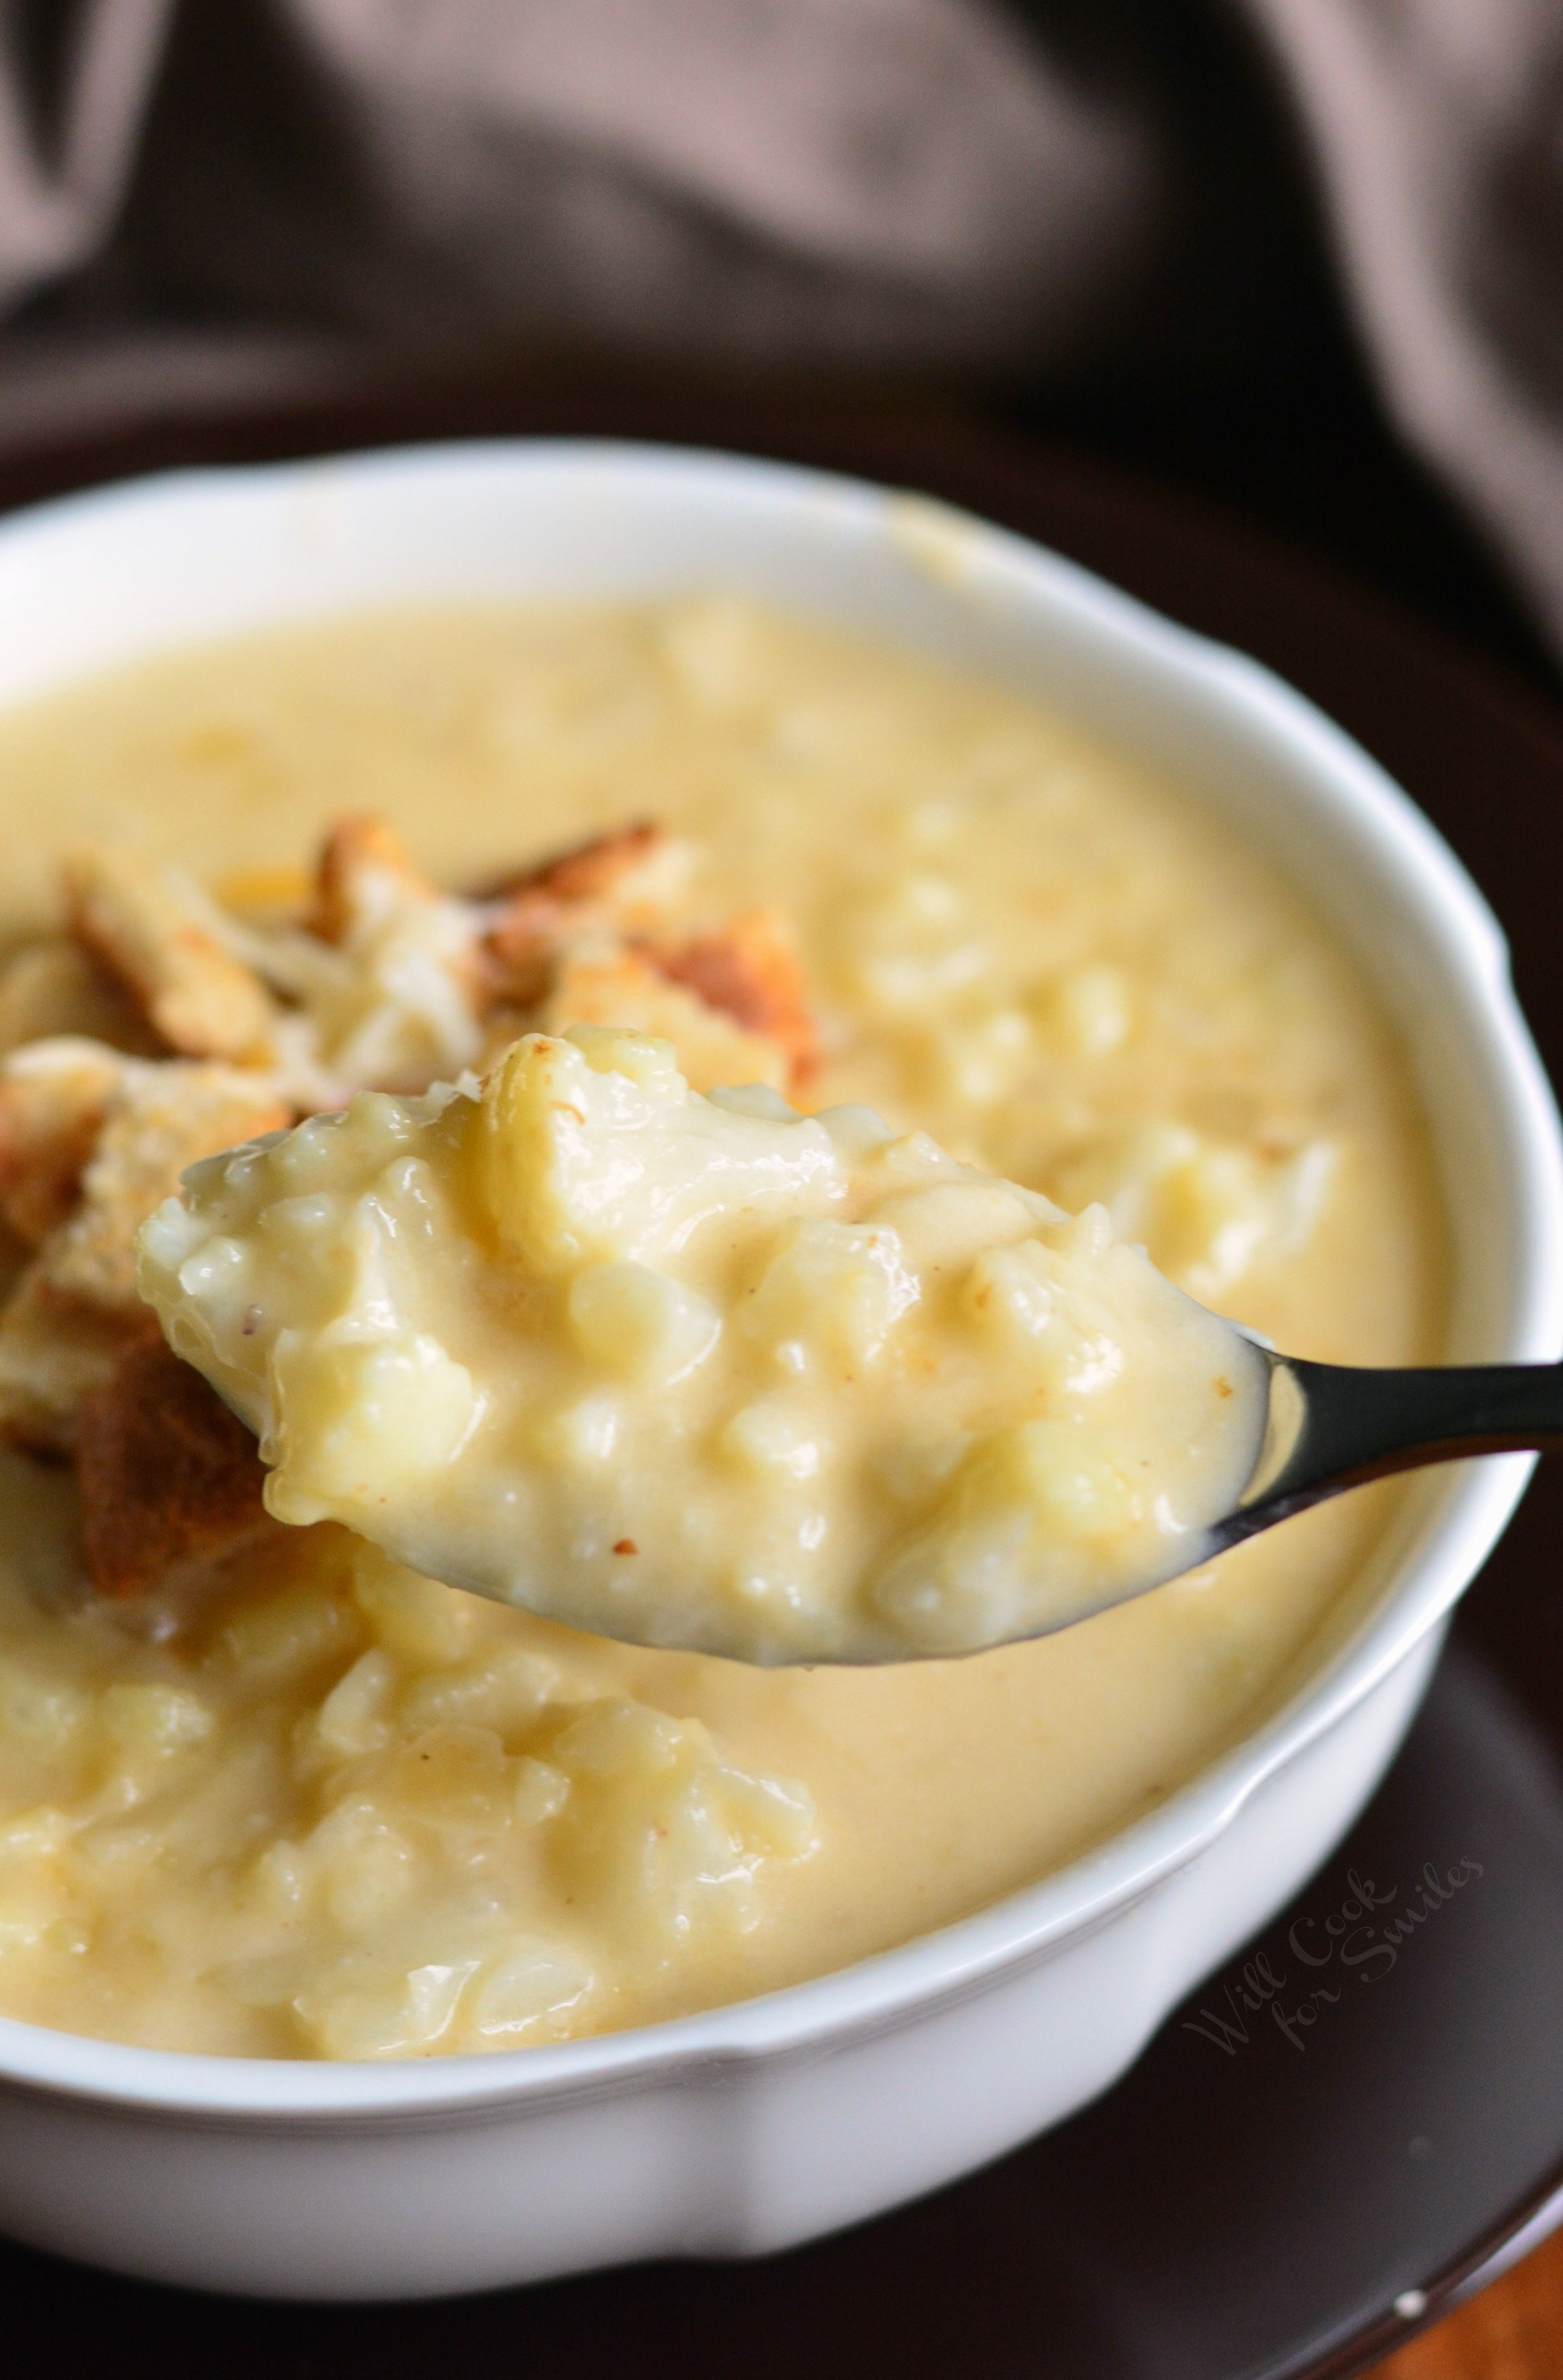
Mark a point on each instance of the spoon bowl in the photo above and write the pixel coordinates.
(1328, 1427)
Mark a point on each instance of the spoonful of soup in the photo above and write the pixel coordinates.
(704, 1372)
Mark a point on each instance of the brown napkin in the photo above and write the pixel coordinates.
(904, 182)
(1436, 127)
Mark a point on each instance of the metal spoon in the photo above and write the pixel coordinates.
(1333, 1426)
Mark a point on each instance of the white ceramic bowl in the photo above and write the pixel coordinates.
(764, 2124)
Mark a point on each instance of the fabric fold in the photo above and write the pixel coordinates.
(904, 184)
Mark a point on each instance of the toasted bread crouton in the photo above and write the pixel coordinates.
(151, 931)
(54, 1353)
(168, 1477)
(75, 1309)
(518, 957)
(625, 878)
(54, 987)
(365, 873)
(619, 986)
(753, 973)
(52, 1098)
(157, 1120)
(592, 870)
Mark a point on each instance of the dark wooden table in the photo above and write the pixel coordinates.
(1513, 2331)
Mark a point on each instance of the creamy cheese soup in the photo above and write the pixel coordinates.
(301, 1800)
(704, 1372)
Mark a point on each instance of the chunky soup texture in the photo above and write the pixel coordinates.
(317, 1805)
(703, 1371)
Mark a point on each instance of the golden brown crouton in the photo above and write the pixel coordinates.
(53, 1097)
(74, 1311)
(619, 986)
(589, 870)
(54, 1353)
(751, 971)
(560, 898)
(55, 987)
(153, 933)
(168, 1477)
(517, 958)
(364, 870)
(156, 1120)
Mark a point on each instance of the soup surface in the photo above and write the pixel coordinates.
(321, 1806)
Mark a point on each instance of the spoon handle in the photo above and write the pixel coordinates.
(1334, 1425)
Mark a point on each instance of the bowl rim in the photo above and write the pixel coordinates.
(1474, 1502)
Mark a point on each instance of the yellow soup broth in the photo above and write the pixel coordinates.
(326, 1808)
